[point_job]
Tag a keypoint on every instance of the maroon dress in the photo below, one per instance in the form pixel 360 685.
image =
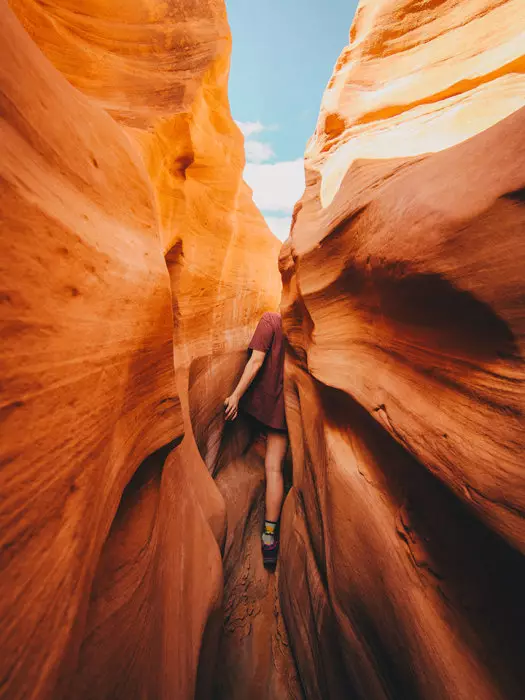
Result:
pixel 264 399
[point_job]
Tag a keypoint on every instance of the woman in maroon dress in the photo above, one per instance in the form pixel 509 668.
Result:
pixel 260 394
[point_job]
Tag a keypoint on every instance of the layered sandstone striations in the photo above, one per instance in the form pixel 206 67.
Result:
pixel 404 534
pixel 127 234
pixel 161 70
pixel 134 267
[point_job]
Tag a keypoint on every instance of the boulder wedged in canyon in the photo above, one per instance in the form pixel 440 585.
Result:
pixel 128 239
pixel 404 309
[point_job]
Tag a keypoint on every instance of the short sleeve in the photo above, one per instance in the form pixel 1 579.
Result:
pixel 263 336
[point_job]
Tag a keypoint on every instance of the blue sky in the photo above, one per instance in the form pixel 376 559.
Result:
pixel 283 55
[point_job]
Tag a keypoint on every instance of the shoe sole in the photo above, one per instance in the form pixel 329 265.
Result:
pixel 270 559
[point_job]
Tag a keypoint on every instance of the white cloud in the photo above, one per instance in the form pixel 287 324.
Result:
pixel 276 186
pixel 257 151
pixel 279 225
pixel 249 128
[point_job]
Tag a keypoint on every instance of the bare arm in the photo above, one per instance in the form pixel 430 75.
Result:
pixel 253 365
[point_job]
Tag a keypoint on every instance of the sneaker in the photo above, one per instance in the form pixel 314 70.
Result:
pixel 270 552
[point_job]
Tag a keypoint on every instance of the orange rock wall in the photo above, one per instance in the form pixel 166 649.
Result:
pixel 134 268
pixel 404 307
pixel 161 70
pixel 130 248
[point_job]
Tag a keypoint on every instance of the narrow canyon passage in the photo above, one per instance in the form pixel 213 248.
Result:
pixel 135 266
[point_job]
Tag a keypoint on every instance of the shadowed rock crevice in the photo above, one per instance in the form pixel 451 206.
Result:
pixel 124 592
pixel 478 575
pixel 254 658
pixel 427 307
pixel 307 611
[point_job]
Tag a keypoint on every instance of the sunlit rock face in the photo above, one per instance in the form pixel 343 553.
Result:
pixel 161 70
pixel 130 248
pixel 417 77
pixel 135 267
pixel 402 564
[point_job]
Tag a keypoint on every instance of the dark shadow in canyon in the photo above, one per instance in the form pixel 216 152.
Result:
pixel 427 306
pixel 478 575
pixel 254 659
pixel 121 617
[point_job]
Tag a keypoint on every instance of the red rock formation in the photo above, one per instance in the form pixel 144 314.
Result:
pixel 161 70
pixel 111 570
pixel 86 353
pixel 403 305
pixel 129 239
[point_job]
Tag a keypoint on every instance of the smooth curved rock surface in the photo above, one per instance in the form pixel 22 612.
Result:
pixel 417 77
pixel 161 69
pixel 130 248
pixel 404 309
pixel 86 353
pixel 134 268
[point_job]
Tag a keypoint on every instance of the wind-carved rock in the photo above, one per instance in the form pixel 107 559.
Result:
pixel 404 533
pixel 129 240
pixel 135 266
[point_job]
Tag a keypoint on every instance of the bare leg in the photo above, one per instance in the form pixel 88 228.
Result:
pixel 276 446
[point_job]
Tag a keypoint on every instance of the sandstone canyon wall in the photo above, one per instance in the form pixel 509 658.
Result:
pixel 134 267
pixel 403 563
pixel 130 249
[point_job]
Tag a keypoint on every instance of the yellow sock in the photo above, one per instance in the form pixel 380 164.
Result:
pixel 269 531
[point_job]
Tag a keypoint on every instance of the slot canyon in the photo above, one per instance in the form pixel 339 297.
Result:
pixel 135 266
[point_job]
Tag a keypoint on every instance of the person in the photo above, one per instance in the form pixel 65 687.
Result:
pixel 260 394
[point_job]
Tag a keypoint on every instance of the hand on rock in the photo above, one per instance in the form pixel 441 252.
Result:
pixel 231 407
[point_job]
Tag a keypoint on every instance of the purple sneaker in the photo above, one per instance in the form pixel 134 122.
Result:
pixel 270 552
